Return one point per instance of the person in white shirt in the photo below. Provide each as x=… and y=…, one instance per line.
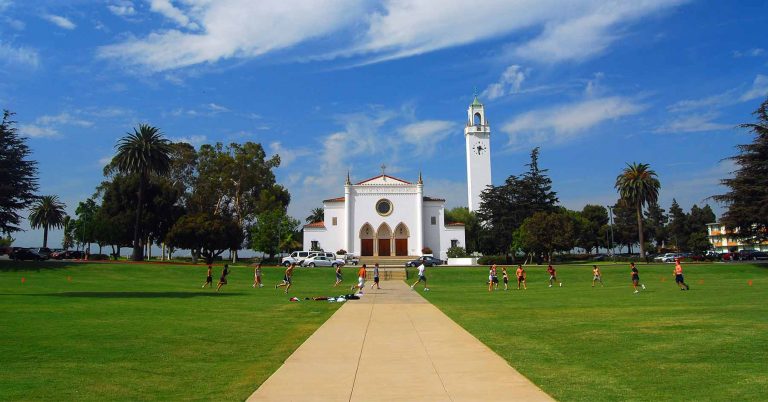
x=422, y=277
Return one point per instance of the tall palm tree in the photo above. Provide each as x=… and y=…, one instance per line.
x=638, y=186
x=142, y=153
x=47, y=212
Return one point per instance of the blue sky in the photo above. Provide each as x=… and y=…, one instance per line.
x=337, y=85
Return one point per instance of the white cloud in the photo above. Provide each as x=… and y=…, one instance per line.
x=22, y=56
x=754, y=52
x=693, y=123
x=217, y=108
x=167, y=9
x=287, y=156
x=122, y=8
x=759, y=89
x=424, y=136
x=63, y=119
x=60, y=21
x=194, y=140
x=48, y=125
x=231, y=29
x=210, y=31
x=38, y=131
x=565, y=122
x=509, y=82
x=688, y=105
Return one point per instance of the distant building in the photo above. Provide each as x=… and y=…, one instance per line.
x=722, y=240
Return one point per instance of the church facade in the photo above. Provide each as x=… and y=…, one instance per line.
x=388, y=216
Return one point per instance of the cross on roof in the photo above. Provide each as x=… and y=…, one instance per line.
x=383, y=169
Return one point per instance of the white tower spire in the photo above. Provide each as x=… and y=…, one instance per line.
x=477, y=134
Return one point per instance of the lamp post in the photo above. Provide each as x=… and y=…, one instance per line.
x=610, y=220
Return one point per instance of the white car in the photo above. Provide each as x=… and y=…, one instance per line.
x=296, y=257
x=322, y=261
x=668, y=257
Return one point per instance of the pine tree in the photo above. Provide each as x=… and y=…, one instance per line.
x=678, y=226
x=18, y=173
x=747, y=200
x=655, y=224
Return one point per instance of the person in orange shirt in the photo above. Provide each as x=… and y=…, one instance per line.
x=360, y=278
x=679, y=276
x=521, y=277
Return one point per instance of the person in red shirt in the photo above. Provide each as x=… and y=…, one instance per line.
x=360, y=278
x=679, y=276
x=553, y=276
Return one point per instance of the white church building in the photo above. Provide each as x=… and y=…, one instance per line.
x=388, y=216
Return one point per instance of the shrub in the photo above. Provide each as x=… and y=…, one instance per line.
x=457, y=252
x=495, y=259
x=426, y=250
x=341, y=252
x=98, y=257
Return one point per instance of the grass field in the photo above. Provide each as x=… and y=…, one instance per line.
x=584, y=343
x=147, y=332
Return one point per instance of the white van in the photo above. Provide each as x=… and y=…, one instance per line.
x=296, y=257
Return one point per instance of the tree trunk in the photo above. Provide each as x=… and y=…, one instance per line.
x=45, y=235
x=149, y=248
x=640, y=230
x=137, y=249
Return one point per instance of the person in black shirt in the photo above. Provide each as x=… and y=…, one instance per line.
x=223, y=279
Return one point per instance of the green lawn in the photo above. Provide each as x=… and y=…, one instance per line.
x=147, y=332
x=584, y=343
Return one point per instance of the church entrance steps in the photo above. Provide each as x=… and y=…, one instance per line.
x=387, y=261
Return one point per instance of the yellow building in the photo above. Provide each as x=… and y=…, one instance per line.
x=723, y=242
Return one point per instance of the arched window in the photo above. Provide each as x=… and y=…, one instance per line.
x=478, y=120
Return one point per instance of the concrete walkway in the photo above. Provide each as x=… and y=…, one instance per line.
x=392, y=345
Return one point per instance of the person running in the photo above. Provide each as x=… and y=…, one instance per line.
x=596, y=276
x=287, y=278
x=375, y=276
x=422, y=277
x=636, y=278
x=360, y=279
x=257, y=276
x=679, y=280
x=223, y=279
x=339, y=277
x=553, y=276
x=521, y=277
x=209, y=278
x=505, y=277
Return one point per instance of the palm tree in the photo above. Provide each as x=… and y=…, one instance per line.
x=316, y=215
x=47, y=212
x=638, y=186
x=142, y=153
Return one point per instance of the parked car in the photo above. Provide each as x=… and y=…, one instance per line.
x=44, y=252
x=428, y=261
x=747, y=255
x=296, y=257
x=323, y=253
x=349, y=259
x=668, y=257
x=322, y=261
x=21, y=254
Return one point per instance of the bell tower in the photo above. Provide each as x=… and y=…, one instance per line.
x=477, y=134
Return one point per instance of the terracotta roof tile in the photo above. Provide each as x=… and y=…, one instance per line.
x=433, y=199
x=315, y=225
x=454, y=224
x=337, y=199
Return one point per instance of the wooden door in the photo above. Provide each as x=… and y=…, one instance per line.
x=401, y=247
x=366, y=247
x=384, y=247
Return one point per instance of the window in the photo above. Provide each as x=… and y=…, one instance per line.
x=384, y=207
x=454, y=243
x=434, y=220
x=315, y=245
x=334, y=221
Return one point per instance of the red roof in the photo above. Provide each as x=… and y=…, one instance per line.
x=315, y=225
x=454, y=224
x=433, y=199
x=337, y=199
x=383, y=175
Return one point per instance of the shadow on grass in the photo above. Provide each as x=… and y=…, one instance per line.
x=37, y=266
x=129, y=295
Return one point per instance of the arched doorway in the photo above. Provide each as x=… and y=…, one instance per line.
x=366, y=240
x=401, y=239
x=384, y=236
